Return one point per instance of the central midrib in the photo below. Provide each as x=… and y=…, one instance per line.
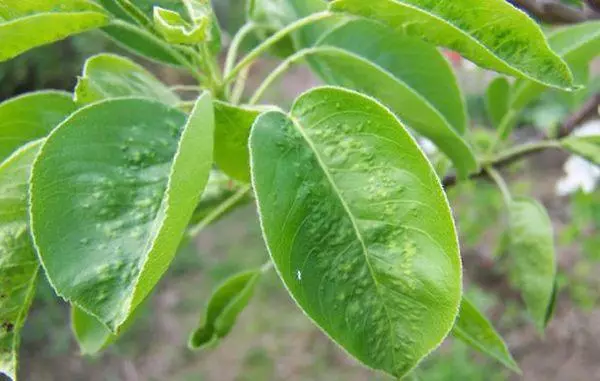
x=311, y=145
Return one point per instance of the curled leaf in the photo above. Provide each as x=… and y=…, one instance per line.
x=224, y=306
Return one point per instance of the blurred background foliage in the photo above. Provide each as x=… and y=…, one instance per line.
x=274, y=340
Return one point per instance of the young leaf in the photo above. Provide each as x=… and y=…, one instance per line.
x=18, y=262
x=198, y=11
x=131, y=172
x=577, y=45
x=224, y=306
x=496, y=100
x=176, y=30
x=141, y=42
x=351, y=57
x=531, y=248
x=31, y=116
x=473, y=328
x=135, y=38
x=25, y=25
x=92, y=336
x=358, y=226
x=108, y=76
x=492, y=33
x=587, y=147
x=232, y=128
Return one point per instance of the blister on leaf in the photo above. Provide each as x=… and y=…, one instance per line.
x=358, y=226
x=123, y=200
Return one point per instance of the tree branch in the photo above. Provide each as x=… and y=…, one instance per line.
x=589, y=109
x=553, y=12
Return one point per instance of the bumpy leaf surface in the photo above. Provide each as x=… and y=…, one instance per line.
x=491, y=33
x=411, y=77
x=18, y=262
x=358, y=226
x=112, y=192
x=577, y=45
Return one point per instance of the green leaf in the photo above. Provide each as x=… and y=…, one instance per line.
x=492, y=33
x=232, y=128
x=25, y=25
x=577, y=45
x=108, y=76
x=18, y=262
x=220, y=196
x=351, y=56
x=358, y=226
x=141, y=42
x=496, y=100
x=531, y=248
x=473, y=328
x=131, y=173
x=176, y=30
x=134, y=37
x=31, y=116
x=198, y=11
x=226, y=303
x=92, y=336
x=587, y=147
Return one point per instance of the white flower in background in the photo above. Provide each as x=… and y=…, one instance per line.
x=427, y=146
x=580, y=173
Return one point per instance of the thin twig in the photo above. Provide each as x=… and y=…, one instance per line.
x=588, y=110
x=570, y=124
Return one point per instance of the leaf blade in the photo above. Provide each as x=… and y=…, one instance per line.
x=26, y=25
x=306, y=203
x=132, y=210
x=473, y=328
x=531, y=245
x=108, y=76
x=225, y=304
x=30, y=117
x=480, y=35
x=18, y=263
x=344, y=61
